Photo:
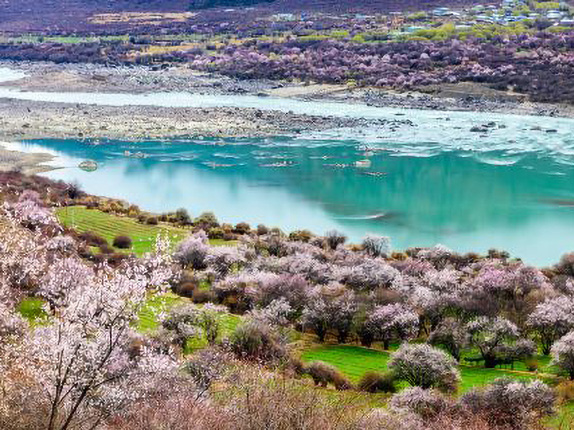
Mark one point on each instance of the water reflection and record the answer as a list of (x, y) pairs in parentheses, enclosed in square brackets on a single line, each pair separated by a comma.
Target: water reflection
[(451, 198)]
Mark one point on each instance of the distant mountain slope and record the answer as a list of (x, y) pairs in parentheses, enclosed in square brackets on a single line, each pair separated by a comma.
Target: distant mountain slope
[(71, 15)]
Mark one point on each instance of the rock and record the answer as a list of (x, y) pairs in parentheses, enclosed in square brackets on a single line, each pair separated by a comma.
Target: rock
[(477, 129)]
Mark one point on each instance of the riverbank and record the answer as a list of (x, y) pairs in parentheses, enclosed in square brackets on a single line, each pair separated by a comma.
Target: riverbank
[(28, 119), (22, 119), (27, 163), (464, 96)]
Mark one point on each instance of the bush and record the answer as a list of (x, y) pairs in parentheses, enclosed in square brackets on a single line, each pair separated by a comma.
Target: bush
[(301, 236), (92, 239), (565, 391), (152, 221), (116, 258), (262, 230), (182, 217), (257, 342), (123, 242), (531, 364), (202, 296), (242, 228), (375, 382), (377, 245), (335, 238), (566, 265), (563, 354), (192, 251), (426, 403), (215, 233), (206, 221), (106, 249), (425, 366), (229, 237), (186, 289), (511, 403), (324, 374)]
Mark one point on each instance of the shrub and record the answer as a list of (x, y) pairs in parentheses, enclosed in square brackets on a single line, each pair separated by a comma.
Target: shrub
[(425, 366), (215, 233), (375, 382), (180, 324), (152, 221), (566, 265), (335, 238), (377, 245), (123, 242), (207, 367), (229, 237), (182, 216), (262, 230), (563, 354), (192, 251), (186, 289), (106, 249), (133, 211), (206, 221), (512, 403), (242, 228), (74, 190), (300, 236), (427, 403), (324, 374), (565, 391), (531, 364), (257, 342), (92, 239), (116, 258), (202, 296), (210, 322)]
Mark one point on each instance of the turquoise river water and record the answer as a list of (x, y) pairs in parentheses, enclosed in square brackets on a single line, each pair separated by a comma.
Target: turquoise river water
[(510, 186)]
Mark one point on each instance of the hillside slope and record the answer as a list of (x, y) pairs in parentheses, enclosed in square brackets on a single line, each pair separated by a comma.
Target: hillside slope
[(73, 15)]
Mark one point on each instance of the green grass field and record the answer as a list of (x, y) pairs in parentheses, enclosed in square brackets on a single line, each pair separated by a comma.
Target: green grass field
[(32, 309), (109, 226), (148, 319), (355, 361)]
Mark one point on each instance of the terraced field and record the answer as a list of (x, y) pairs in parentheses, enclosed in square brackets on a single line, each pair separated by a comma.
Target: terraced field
[(355, 361), (109, 226)]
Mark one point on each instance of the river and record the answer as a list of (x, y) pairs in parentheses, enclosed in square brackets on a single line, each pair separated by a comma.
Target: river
[(508, 185)]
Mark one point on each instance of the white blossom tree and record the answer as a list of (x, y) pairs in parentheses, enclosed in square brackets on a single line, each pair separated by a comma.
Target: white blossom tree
[(551, 320), (563, 354), (424, 366)]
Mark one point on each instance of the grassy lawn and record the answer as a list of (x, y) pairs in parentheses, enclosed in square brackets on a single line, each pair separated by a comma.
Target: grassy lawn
[(148, 319), (355, 361), (109, 226), (32, 310)]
